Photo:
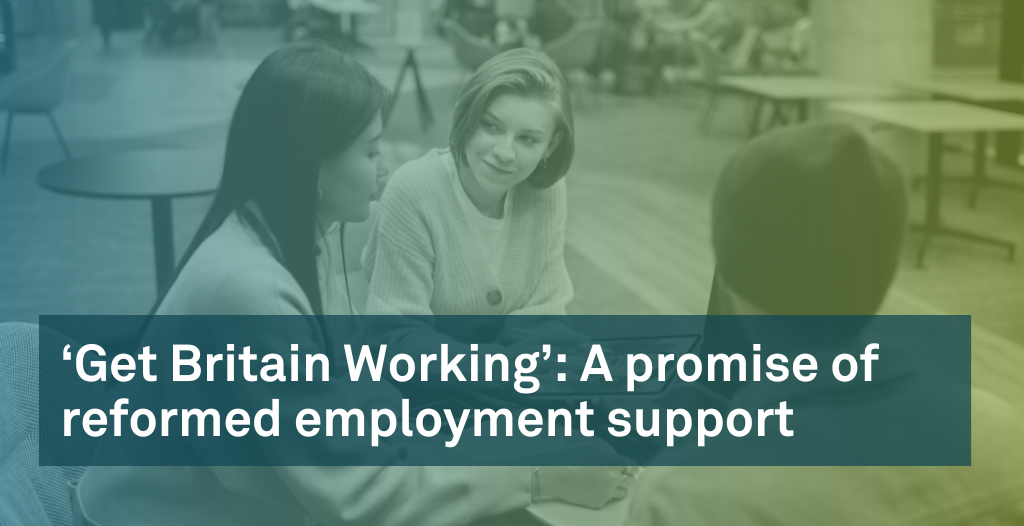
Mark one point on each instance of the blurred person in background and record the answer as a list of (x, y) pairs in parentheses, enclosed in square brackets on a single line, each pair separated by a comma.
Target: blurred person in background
[(209, 23), (105, 14), (551, 19), (785, 43), (305, 20), (625, 52), (710, 18), (172, 21), (476, 16), (675, 31)]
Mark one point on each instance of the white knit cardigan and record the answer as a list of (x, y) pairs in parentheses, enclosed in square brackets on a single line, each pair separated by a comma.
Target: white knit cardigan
[(422, 258)]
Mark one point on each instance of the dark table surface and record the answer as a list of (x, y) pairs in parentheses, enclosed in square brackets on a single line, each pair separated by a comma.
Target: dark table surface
[(157, 175), (140, 174)]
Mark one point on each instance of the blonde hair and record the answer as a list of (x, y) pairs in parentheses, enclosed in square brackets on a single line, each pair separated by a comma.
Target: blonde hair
[(526, 73)]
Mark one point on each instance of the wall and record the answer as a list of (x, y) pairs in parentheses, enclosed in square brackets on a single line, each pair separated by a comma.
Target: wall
[(877, 41)]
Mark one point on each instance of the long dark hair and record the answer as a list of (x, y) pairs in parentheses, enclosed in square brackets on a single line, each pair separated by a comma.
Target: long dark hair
[(304, 103)]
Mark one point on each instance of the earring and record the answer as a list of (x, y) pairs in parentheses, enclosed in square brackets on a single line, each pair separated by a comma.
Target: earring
[(544, 168)]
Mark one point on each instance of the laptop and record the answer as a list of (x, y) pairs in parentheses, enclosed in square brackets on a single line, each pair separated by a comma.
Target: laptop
[(696, 394)]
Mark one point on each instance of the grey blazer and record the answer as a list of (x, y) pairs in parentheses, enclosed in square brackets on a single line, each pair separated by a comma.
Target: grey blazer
[(233, 272)]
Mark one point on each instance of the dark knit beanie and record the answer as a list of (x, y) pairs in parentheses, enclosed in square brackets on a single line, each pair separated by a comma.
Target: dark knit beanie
[(809, 220)]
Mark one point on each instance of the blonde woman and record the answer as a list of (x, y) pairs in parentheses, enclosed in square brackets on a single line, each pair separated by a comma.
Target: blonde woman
[(479, 228)]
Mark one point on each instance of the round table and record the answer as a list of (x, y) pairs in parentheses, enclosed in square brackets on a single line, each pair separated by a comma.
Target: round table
[(157, 175)]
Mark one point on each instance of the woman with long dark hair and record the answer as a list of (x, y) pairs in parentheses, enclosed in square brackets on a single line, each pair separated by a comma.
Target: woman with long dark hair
[(302, 159)]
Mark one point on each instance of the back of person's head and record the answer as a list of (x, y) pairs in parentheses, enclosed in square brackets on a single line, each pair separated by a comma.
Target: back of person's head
[(305, 103), (525, 73), (809, 220)]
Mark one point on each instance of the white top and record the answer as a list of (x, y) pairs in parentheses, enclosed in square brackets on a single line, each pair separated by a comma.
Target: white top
[(491, 234), (330, 270), (421, 257)]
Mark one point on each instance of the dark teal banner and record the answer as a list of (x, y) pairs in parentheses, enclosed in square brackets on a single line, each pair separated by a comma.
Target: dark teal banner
[(519, 390)]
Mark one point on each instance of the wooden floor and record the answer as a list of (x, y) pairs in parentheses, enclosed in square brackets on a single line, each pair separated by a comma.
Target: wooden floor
[(654, 242)]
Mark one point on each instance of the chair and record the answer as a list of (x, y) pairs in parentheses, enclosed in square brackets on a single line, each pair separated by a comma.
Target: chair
[(30, 493), (37, 91), (470, 51), (576, 50)]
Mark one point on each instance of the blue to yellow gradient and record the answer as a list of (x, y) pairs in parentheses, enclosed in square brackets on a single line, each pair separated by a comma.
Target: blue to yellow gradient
[(728, 157)]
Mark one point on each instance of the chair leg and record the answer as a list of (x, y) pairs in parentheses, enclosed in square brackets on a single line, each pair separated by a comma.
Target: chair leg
[(458, 87), (709, 113), (7, 142), (60, 136), (573, 80), (586, 87), (595, 88)]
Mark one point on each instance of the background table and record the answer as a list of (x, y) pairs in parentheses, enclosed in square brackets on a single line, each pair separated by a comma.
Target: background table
[(978, 91), (157, 175), (934, 119), (990, 93), (799, 91)]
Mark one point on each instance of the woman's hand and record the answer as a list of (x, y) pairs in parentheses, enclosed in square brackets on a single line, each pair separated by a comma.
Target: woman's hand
[(591, 487)]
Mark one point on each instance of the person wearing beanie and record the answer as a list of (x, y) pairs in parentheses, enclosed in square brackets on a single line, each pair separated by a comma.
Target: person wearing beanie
[(809, 220)]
